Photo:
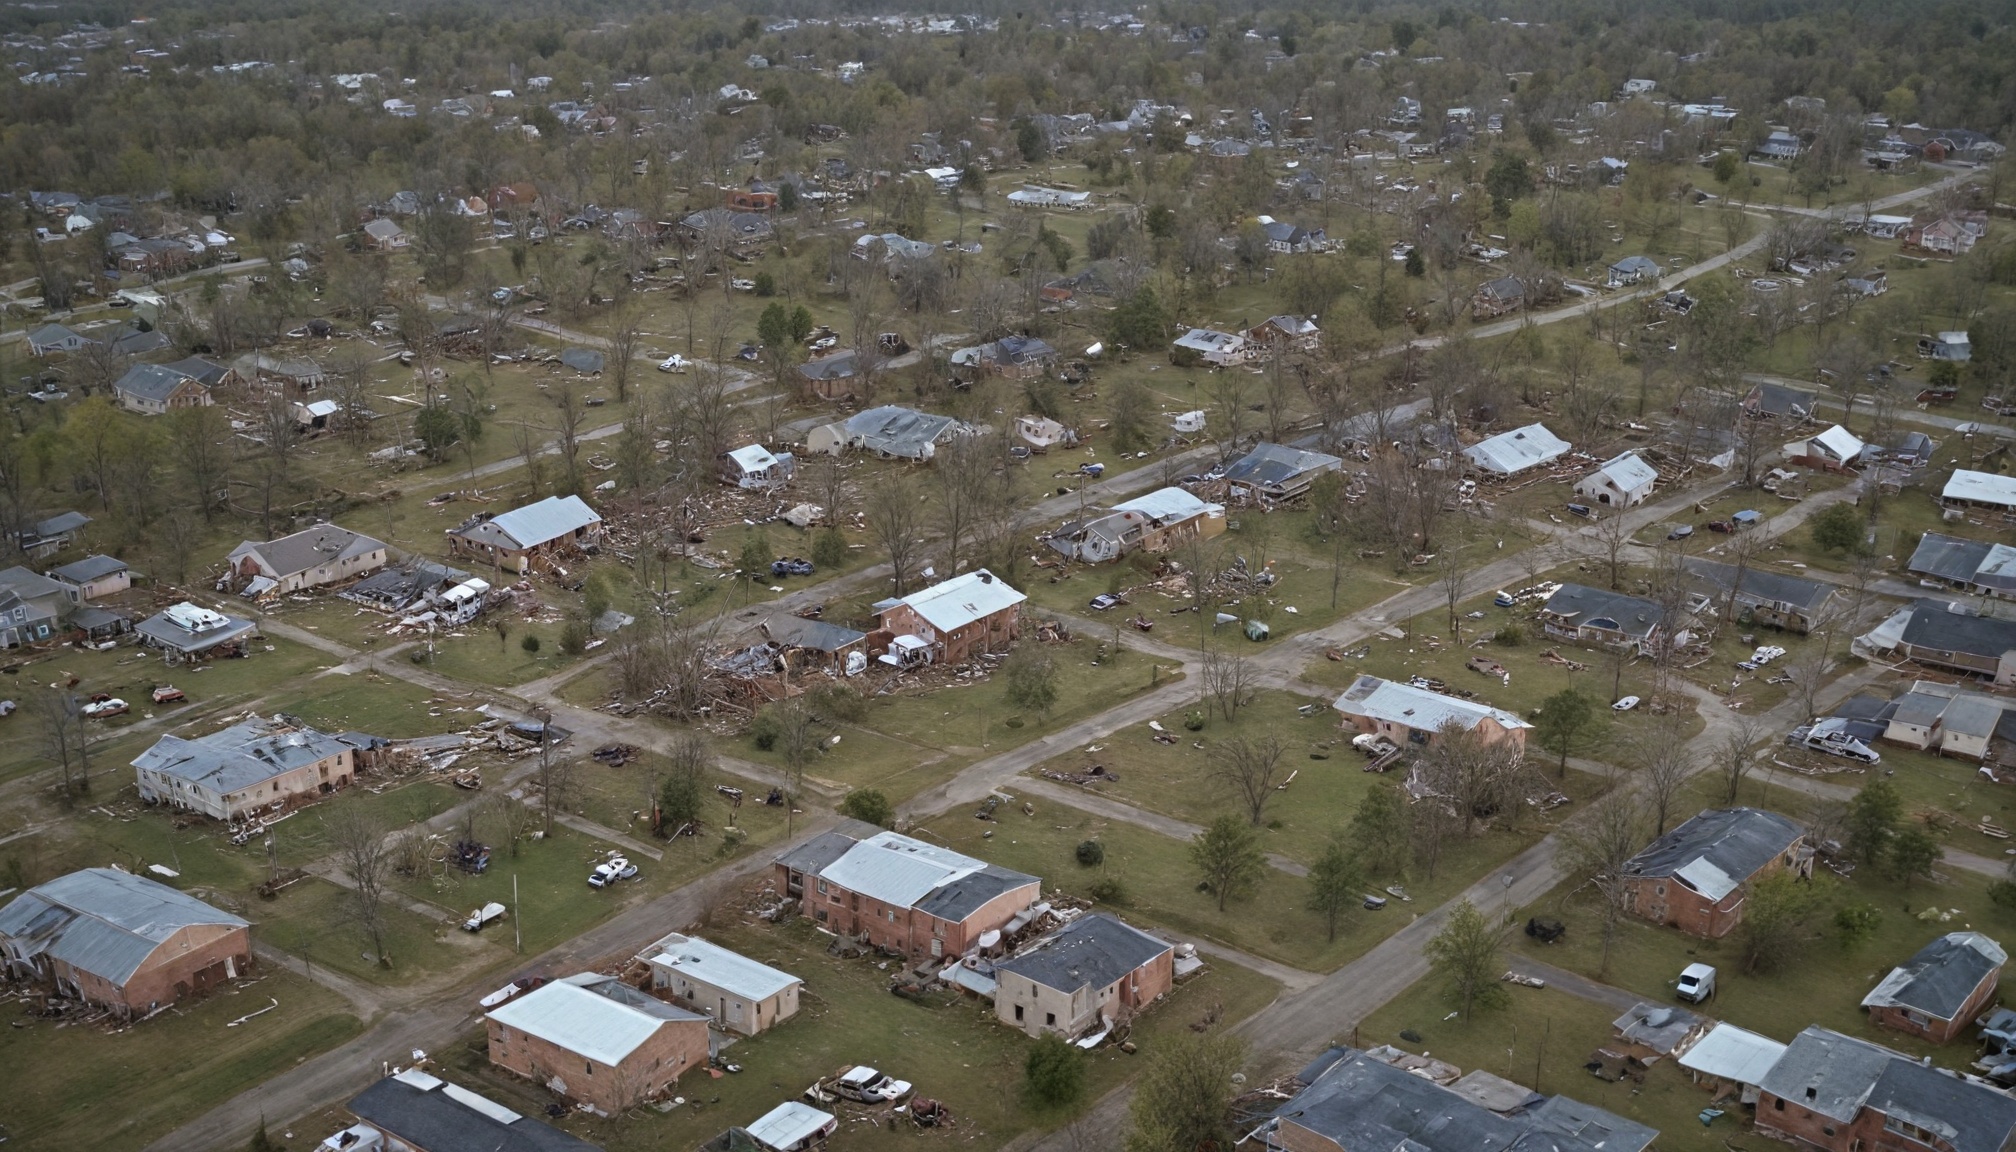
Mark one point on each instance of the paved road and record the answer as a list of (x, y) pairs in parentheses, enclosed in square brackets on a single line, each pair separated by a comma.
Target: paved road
[(437, 1019), (1824, 397)]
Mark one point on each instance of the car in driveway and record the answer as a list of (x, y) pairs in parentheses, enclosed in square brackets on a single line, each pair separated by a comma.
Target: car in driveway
[(1105, 600), (861, 1084), (610, 871)]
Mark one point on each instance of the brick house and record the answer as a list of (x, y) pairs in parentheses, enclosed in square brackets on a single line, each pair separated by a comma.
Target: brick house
[(740, 994), (902, 894), (1840, 1094), (1089, 974), (1697, 877), (1605, 619), (121, 941), (1407, 715), (596, 1040), (415, 1111), (971, 613), (1940, 991)]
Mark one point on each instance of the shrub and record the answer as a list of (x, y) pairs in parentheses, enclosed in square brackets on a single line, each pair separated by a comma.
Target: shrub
[(1054, 1072), (869, 806), (766, 284), (1091, 853), (838, 703), (1108, 890), (765, 730), (829, 549), (1193, 720), (574, 637), (530, 644), (1511, 636)]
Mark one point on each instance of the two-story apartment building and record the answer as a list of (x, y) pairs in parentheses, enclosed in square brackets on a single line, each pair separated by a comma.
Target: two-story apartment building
[(1089, 974), (903, 894), (252, 765), (595, 1039), (1697, 877), (971, 613)]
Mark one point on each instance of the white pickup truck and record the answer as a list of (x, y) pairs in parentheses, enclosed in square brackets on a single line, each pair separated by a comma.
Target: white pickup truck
[(483, 917)]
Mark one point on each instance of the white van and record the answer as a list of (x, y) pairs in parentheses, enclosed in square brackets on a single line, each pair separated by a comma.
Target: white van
[(1697, 983)]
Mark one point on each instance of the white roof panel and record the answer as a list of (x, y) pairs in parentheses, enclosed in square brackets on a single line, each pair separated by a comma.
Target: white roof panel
[(1733, 1053), (1981, 487), (571, 1014), (1517, 450), (716, 966), (1705, 878), (1628, 472), (1840, 442), (963, 599), (1417, 708), (898, 870), (549, 519), (753, 458), (788, 1125), (1166, 504)]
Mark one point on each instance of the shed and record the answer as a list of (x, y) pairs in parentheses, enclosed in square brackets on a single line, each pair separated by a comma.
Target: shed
[(792, 1127)]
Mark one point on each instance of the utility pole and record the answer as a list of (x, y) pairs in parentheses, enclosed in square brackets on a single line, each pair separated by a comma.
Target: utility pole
[(517, 932)]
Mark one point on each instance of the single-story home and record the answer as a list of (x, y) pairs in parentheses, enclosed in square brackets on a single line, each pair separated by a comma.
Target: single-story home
[(386, 235), (596, 1040), (1729, 1058), (186, 631), (518, 540), (152, 389), (92, 577), (251, 766), (792, 1126), (1497, 297), (324, 554), (1773, 599), (1836, 450), (889, 431), (1946, 719), (120, 941), (1695, 878), (1973, 565), (1510, 453), (1087, 976), (1986, 490), (417, 1111), (817, 645), (1939, 991), (955, 619), (903, 894), (1603, 618), (1632, 270), (756, 468), (737, 993), (47, 537), (55, 338), (1016, 357), (1206, 346), (1278, 472), (1934, 635), (1624, 481), (1294, 332), (1836, 1093), (831, 377), (1768, 401), (1405, 714), (1161, 520)]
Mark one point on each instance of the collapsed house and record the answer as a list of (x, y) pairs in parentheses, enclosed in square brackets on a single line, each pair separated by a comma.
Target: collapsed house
[(187, 632), (1157, 522), (122, 942), (530, 537), (757, 469), (401, 587), (1772, 599), (1277, 472), (253, 766), (816, 645)]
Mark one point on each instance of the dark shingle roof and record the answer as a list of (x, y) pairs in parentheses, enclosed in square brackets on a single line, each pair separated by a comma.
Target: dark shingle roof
[(1090, 952), (1718, 850), (1948, 557), (815, 854), (1941, 631), (962, 897), (1778, 400), (437, 1119), (1770, 587), (1939, 980), (88, 569), (1579, 604)]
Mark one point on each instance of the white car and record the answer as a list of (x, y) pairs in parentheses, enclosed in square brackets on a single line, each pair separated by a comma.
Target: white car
[(610, 871), (98, 709), (674, 363), (869, 1086), (1625, 704), (740, 285)]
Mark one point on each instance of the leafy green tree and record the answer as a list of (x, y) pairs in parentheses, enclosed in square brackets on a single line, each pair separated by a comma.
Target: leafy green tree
[(681, 798), (530, 644), (1029, 140), (1228, 858), (1091, 853), (1160, 221), (1912, 855), (1382, 829), (1837, 528), (1873, 817), (1509, 178), (1727, 165), (829, 549), (1335, 883), (787, 198), (1053, 1073), (438, 429), (1139, 322), (1775, 914), (1031, 677), (869, 806), (1128, 424), (1464, 956), (1855, 923), (1182, 1102), (754, 562), (766, 284), (1564, 719), (973, 179)]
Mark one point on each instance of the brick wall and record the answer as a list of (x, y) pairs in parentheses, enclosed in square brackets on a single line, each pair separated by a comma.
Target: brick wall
[(656, 1064)]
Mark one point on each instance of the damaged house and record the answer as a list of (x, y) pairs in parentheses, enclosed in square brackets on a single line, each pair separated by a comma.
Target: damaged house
[(757, 469), (952, 621), (1696, 878), (1088, 975), (1968, 565), (594, 1039), (816, 645), (1510, 453), (528, 537), (401, 587), (1407, 715), (1277, 472), (1941, 990), (1602, 618), (739, 994), (905, 895), (890, 432), (1836, 1093), (324, 554), (1164, 519), (251, 766)]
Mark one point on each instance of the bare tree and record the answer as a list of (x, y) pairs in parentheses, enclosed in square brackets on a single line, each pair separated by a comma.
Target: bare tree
[(555, 775), (623, 338), (895, 515), (1733, 755), (1231, 682), (60, 723), (568, 415), (531, 448), (1595, 847), (512, 818), (1247, 768), (1228, 409), (1664, 764), (1478, 777), (364, 854), (961, 474), (1613, 540)]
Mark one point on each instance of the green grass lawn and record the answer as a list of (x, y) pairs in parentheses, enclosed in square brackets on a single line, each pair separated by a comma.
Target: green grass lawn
[(1824, 986), (377, 704), (163, 1072), (311, 919), (953, 1051), (1541, 1040)]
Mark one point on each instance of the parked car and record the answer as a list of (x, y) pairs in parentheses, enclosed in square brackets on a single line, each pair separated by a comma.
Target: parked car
[(674, 363), (1680, 532), (1697, 983), (861, 1084), (1582, 510), (791, 566), (1834, 743), (1625, 704), (100, 709), (610, 871), (483, 917), (1372, 744), (167, 694), (1105, 600), (1722, 526)]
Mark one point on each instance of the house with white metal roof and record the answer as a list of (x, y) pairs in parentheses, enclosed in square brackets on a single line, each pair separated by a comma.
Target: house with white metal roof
[(757, 469), (1731, 1057), (1405, 714), (903, 894), (1156, 522), (792, 1127), (739, 994), (121, 941), (517, 540), (1624, 481), (253, 766), (324, 554), (1970, 489), (1206, 346), (970, 613), (1834, 449), (1510, 453), (596, 1040)]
